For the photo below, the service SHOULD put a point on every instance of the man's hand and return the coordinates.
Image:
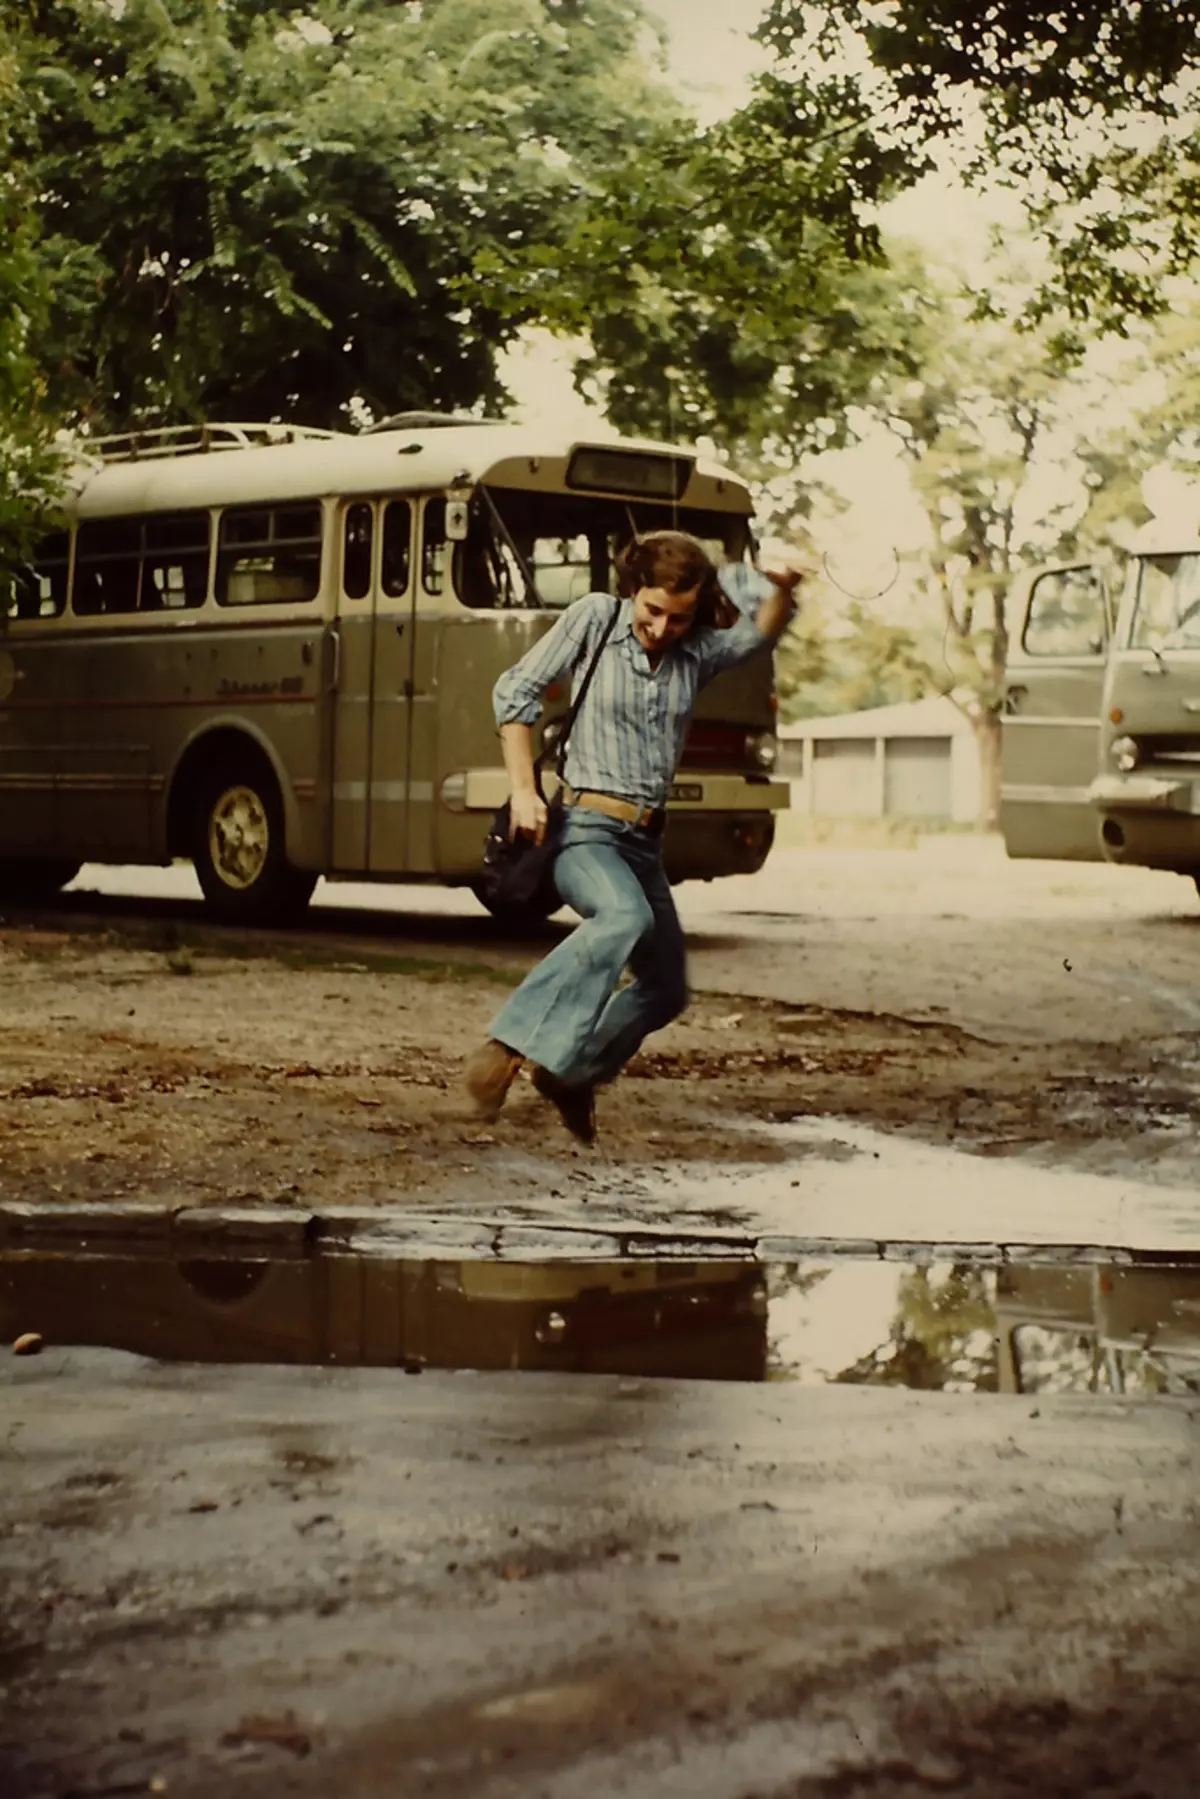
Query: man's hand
(787, 579)
(527, 815)
(778, 609)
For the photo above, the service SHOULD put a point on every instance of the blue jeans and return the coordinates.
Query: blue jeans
(567, 1014)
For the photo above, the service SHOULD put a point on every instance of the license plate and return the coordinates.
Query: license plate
(687, 790)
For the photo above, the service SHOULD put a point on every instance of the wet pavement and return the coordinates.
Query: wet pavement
(866, 1470)
(322, 1518)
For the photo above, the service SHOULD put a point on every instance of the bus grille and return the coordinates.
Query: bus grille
(713, 745)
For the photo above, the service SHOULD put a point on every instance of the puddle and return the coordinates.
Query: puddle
(946, 1326)
(848, 1180)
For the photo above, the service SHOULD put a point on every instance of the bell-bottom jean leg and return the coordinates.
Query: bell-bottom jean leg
(567, 1014)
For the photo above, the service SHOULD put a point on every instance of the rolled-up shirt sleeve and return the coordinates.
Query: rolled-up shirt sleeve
(517, 695)
(747, 588)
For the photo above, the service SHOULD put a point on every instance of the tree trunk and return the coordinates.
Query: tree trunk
(987, 739)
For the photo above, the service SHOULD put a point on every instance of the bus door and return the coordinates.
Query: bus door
(371, 738)
(1053, 692)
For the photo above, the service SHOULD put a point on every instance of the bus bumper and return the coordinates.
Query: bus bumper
(717, 824)
(483, 789)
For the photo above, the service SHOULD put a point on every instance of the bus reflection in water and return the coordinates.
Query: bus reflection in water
(272, 650)
(703, 1320)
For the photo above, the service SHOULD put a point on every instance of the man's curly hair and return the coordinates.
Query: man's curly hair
(678, 562)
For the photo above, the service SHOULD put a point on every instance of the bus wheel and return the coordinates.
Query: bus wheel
(239, 852)
(29, 882)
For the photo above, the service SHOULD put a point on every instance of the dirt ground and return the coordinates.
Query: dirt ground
(149, 1056)
(343, 1582)
(328, 1580)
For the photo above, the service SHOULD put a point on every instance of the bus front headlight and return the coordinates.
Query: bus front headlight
(1125, 754)
(762, 747)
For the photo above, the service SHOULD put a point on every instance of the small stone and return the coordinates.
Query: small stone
(29, 1343)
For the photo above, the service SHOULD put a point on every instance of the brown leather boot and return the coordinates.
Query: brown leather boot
(576, 1106)
(489, 1074)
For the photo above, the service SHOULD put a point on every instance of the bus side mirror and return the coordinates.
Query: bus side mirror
(456, 521)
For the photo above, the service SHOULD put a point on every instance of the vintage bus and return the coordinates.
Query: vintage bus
(271, 649)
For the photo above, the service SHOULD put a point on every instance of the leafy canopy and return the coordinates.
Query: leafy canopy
(262, 210)
(30, 462)
(1089, 108)
(712, 271)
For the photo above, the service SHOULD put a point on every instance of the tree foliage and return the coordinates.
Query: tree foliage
(714, 272)
(263, 210)
(942, 1337)
(1088, 108)
(851, 662)
(29, 461)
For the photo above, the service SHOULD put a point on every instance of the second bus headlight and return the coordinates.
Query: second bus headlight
(1125, 754)
(762, 747)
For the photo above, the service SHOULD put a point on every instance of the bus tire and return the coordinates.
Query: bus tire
(239, 849)
(29, 882)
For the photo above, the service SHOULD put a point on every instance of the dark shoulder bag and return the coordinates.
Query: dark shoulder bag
(518, 874)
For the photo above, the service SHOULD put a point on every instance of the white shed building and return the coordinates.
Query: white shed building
(914, 761)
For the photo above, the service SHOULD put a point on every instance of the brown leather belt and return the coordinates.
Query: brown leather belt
(646, 818)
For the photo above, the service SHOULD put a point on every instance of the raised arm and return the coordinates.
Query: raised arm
(777, 611)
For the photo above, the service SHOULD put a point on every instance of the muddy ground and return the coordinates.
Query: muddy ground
(148, 1055)
(327, 1582)
(520, 1586)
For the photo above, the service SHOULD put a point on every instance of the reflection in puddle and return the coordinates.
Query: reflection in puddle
(704, 1319)
(948, 1327)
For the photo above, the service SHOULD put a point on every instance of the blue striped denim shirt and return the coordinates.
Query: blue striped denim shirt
(629, 735)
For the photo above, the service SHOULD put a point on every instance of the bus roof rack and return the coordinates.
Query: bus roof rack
(195, 440)
(426, 421)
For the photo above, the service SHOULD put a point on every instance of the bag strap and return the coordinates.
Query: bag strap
(560, 748)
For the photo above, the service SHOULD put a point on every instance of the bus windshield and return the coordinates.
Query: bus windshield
(567, 543)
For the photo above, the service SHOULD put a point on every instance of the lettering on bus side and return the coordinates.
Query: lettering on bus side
(246, 690)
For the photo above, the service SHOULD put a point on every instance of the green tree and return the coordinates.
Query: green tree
(851, 661)
(716, 273)
(267, 210)
(1159, 429)
(1086, 108)
(30, 463)
(990, 411)
(943, 1336)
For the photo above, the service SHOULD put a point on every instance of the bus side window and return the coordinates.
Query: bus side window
(1066, 615)
(107, 566)
(40, 588)
(397, 548)
(268, 555)
(357, 541)
(175, 575)
(25, 598)
(433, 546)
